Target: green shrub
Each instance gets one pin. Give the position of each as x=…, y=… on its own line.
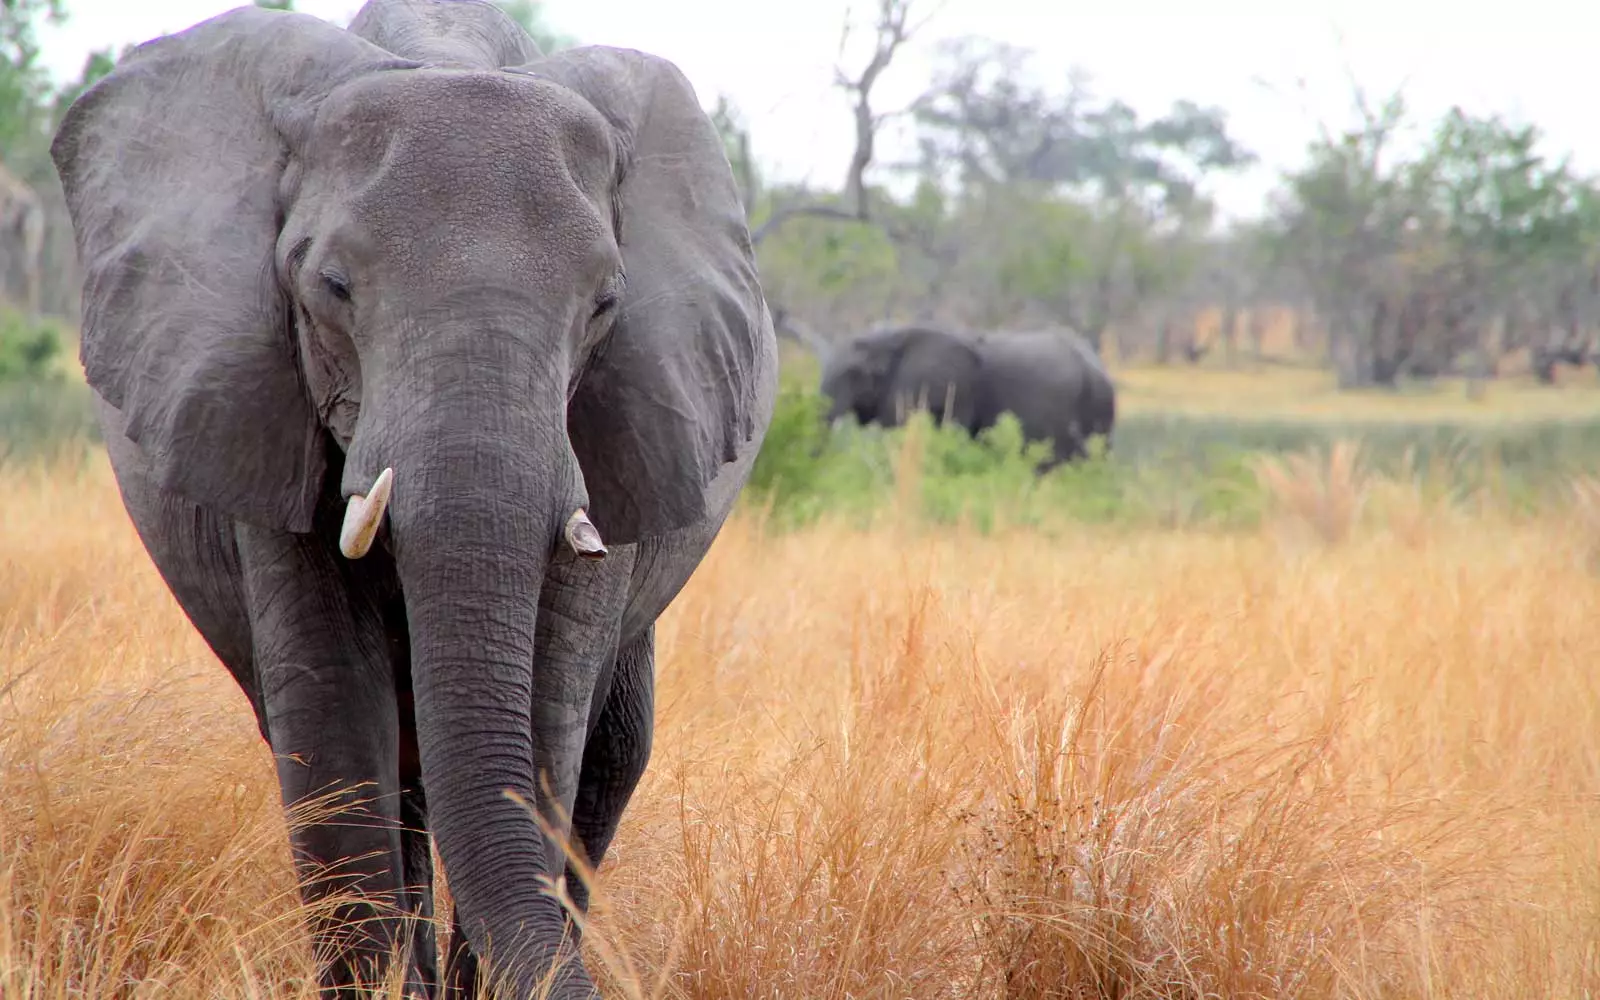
x=796, y=441
x=28, y=348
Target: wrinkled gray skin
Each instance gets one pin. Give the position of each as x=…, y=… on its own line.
x=1052, y=381
x=312, y=253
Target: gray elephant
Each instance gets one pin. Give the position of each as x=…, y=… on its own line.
x=430, y=367
x=1052, y=381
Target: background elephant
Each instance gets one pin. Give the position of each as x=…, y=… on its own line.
x=335, y=274
x=1052, y=381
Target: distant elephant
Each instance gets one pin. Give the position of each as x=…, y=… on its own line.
x=1052, y=381
x=414, y=268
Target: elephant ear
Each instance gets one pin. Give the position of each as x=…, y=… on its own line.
x=466, y=34
x=671, y=397
x=171, y=167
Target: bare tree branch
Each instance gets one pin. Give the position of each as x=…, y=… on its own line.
x=787, y=325
x=783, y=215
x=893, y=29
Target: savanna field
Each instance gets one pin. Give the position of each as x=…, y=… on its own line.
x=1340, y=740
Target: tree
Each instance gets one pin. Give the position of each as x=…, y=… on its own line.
x=1504, y=207
x=24, y=85
x=1479, y=245
x=1342, y=221
x=1082, y=191
x=892, y=29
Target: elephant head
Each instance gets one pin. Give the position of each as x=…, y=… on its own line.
x=881, y=376
x=506, y=296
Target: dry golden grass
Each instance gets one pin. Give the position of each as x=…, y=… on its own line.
x=1322, y=493
x=908, y=764
x=1281, y=392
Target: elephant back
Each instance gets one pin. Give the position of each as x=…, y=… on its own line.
x=1052, y=381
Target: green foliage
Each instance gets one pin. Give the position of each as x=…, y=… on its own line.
x=28, y=350
x=30, y=106
x=1414, y=258
x=796, y=439
x=24, y=85
x=1031, y=203
x=830, y=264
x=276, y=4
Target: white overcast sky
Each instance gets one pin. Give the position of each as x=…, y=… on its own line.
x=1534, y=60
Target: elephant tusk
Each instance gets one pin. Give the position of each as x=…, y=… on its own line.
x=363, y=515
x=583, y=536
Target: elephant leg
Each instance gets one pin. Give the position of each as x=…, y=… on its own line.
x=615, y=757
x=328, y=692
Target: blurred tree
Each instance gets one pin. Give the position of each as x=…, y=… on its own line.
x=841, y=270
x=892, y=28
x=1341, y=220
x=25, y=126
x=1501, y=207
x=24, y=85
x=1081, y=191
x=1477, y=246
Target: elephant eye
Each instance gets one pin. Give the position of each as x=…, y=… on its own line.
x=337, y=286
x=609, y=296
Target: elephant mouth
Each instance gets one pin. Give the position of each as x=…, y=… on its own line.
x=363, y=516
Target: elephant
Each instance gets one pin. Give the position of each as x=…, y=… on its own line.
x=1052, y=381
x=430, y=366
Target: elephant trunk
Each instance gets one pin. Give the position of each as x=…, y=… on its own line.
x=480, y=496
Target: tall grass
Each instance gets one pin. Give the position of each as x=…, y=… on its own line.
x=1325, y=494
x=909, y=762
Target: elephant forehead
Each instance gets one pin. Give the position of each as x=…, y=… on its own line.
x=484, y=124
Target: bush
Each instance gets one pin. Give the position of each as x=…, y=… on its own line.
x=28, y=348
